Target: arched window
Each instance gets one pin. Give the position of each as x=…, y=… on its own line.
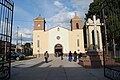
x=58, y=29
x=38, y=43
x=77, y=25
x=93, y=39
x=78, y=43
x=98, y=40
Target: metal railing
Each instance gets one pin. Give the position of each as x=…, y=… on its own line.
x=6, y=22
x=112, y=73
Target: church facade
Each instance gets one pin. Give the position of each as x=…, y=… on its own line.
x=58, y=39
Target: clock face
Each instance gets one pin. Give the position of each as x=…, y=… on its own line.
x=38, y=24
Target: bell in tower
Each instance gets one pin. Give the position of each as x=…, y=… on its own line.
x=76, y=23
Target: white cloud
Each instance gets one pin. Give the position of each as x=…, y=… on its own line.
x=64, y=16
x=56, y=12
x=58, y=4
x=26, y=35
x=81, y=5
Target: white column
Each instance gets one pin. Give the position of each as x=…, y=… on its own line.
x=95, y=33
x=87, y=38
x=100, y=40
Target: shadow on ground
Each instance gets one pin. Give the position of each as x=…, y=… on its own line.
x=39, y=64
x=29, y=57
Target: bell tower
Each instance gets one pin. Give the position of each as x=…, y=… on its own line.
x=39, y=23
x=76, y=23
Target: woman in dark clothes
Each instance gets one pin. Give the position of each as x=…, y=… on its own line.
x=70, y=56
x=75, y=56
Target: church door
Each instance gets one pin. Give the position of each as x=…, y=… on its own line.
x=58, y=50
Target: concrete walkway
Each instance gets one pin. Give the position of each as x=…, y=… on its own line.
x=55, y=69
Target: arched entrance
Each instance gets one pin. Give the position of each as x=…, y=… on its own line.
x=58, y=50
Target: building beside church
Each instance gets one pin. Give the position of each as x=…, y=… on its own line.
x=59, y=39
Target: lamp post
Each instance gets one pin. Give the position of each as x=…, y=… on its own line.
x=103, y=17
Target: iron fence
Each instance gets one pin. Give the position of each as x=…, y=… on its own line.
x=6, y=21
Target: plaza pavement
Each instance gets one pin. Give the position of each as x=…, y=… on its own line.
x=55, y=69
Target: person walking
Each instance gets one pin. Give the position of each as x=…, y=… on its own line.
x=79, y=56
x=75, y=56
x=70, y=56
x=46, y=55
x=61, y=55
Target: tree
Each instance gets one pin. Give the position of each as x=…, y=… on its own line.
x=94, y=8
x=27, y=45
x=27, y=49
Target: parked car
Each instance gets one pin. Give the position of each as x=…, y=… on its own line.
x=1, y=57
x=16, y=56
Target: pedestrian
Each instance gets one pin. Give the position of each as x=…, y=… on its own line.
x=55, y=54
x=61, y=55
x=75, y=56
x=70, y=56
x=46, y=55
x=79, y=55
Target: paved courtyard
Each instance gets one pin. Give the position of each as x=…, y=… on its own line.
x=55, y=69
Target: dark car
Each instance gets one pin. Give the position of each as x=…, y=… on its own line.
x=1, y=57
x=16, y=56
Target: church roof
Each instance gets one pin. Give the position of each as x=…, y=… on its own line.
x=58, y=27
x=39, y=18
x=76, y=17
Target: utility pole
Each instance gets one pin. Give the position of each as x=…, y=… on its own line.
x=21, y=43
x=21, y=39
x=106, y=45
x=17, y=39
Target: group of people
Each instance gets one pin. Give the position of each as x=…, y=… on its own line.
x=75, y=55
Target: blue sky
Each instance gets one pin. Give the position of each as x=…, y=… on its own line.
x=55, y=12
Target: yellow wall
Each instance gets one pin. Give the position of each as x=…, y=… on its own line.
x=43, y=41
x=68, y=40
x=64, y=39
x=73, y=36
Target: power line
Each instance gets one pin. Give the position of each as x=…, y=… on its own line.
x=22, y=21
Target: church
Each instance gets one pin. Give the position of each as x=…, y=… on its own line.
x=60, y=39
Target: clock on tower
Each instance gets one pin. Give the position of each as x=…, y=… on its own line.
x=38, y=24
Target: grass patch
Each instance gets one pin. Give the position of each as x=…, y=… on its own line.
x=117, y=60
